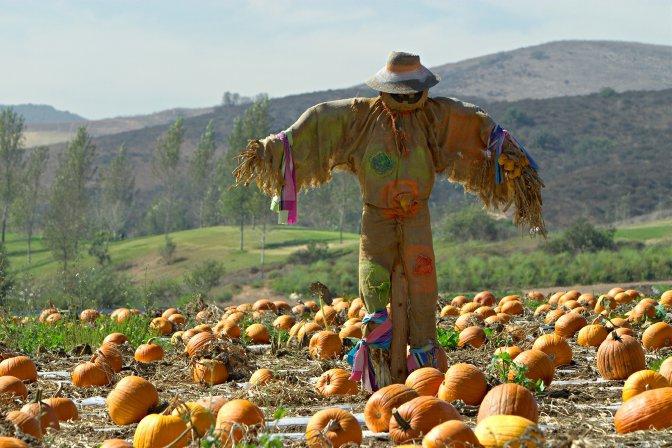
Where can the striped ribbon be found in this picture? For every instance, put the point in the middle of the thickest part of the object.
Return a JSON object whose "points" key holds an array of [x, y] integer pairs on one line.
{"points": [[421, 357], [495, 144], [288, 198], [358, 357]]}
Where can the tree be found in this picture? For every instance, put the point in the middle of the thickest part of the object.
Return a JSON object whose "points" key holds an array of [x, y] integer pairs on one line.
{"points": [[118, 193], [26, 210], [202, 168], [67, 220], [241, 202], [166, 165], [11, 160]]}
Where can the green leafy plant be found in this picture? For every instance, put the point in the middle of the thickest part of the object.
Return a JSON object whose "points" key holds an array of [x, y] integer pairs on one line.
{"points": [[447, 338]]}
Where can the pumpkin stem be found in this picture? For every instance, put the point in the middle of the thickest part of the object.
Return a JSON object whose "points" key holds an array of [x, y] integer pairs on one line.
{"points": [[403, 424], [150, 340], [58, 390], [332, 426]]}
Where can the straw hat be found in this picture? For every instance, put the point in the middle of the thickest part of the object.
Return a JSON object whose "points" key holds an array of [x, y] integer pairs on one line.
{"points": [[403, 73]]}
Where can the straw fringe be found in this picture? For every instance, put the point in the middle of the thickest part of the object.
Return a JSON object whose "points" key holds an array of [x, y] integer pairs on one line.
{"points": [[254, 167]]}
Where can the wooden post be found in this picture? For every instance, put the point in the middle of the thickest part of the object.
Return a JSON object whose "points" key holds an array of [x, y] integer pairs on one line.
{"points": [[399, 316]]}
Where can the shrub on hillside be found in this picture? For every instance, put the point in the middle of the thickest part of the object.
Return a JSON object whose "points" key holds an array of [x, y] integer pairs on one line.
{"points": [[474, 223], [204, 276], [582, 236]]}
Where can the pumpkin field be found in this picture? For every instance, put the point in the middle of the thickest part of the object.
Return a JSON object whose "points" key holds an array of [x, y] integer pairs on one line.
{"points": [[567, 369]]}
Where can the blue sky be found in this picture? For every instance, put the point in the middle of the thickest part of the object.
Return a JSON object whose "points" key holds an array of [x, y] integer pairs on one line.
{"points": [[108, 58]]}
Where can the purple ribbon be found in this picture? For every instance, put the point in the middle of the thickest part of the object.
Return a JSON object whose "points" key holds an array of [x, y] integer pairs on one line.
{"points": [[288, 199], [380, 337]]}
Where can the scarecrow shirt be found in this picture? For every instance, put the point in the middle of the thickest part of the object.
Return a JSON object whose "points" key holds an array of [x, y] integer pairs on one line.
{"points": [[396, 149]]}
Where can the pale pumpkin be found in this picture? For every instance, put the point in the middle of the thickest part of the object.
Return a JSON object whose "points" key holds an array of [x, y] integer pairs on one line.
{"points": [[642, 381], [156, 430], [496, 431]]}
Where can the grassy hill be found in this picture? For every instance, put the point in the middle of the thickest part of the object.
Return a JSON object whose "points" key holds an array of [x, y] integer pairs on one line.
{"points": [[43, 113]]}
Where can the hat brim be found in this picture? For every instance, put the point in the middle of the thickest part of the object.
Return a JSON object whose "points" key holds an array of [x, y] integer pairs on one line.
{"points": [[385, 81]]}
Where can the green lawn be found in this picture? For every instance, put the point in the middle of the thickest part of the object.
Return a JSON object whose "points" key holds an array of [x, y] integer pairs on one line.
{"points": [[647, 231], [140, 255]]}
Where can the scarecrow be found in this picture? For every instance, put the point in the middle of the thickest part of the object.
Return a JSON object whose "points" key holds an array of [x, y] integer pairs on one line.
{"points": [[396, 144]]}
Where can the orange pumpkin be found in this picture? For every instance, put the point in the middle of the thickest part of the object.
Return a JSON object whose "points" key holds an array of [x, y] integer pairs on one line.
{"points": [[233, 416], [117, 338], [130, 400], [199, 343], [209, 371], [473, 336], [618, 357], [44, 413], [258, 334], [284, 322], [453, 433], [10, 387], [509, 399], [642, 381], [449, 310], [538, 366], [648, 410], [379, 406], [425, 381], [553, 315], [458, 301], [116, 443], [338, 426], [263, 305], [149, 352], [568, 324], [261, 377], [325, 345], [556, 347], [336, 382], [418, 416], [505, 430], [91, 374], [657, 336], [592, 335], [109, 354], [26, 423], [464, 382], [21, 367], [666, 369], [485, 298]]}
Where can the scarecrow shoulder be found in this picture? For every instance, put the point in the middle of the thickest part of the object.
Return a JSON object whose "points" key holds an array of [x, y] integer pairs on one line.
{"points": [[456, 106]]}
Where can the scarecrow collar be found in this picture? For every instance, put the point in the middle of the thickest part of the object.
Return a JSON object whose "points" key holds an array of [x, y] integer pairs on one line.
{"points": [[393, 104]]}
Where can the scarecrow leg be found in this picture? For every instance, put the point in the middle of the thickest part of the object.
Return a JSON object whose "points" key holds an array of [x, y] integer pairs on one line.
{"points": [[399, 316]]}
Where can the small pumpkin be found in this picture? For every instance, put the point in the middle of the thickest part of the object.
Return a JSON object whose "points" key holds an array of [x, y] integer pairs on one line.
{"points": [[657, 336], [305, 331], [592, 335], [512, 307], [161, 326], [425, 381], [538, 366], [198, 418], [11, 387], [379, 406], [199, 343], [89, 315], [149, 352], [618, 357], [642, 381], [473, 336], [91, 374], [117, 338], [464, 382], [556, 347], [458, 301], [484, 298], [42, 412], [169, 312], [258, 334], [109, 354], [336, 382], [233, 416], [338, 426], [263, 305], [497, 431], [177, 319], [21, 367], [157, 430], [568, 324], [553, 315], [648, 410], [26, 423], [12, 442], [452, 433], [64, 407], [418, 416], [284, 322], [227, 329], [130, 400], [449, 310], [261, 377], [325, 345], [209, 372], [509, 399], [353, 331]]}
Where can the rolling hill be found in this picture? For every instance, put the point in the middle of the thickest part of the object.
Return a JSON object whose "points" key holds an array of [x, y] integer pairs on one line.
{"points": [[42, 113], [542, 71]]}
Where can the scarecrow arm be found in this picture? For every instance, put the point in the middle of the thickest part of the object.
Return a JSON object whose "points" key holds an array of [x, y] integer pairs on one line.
{"points": [[478, 153], [318, 143]]}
